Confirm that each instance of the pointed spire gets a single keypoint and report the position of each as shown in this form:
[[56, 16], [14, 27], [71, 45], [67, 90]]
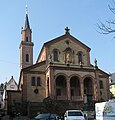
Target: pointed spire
[[26, 24]]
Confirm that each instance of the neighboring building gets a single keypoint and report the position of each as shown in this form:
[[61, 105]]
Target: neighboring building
[[62, 72], [11, 85], [13, 101], [1, 95], [112, 84]]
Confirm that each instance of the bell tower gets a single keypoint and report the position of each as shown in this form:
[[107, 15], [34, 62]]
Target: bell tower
[[26, 45]]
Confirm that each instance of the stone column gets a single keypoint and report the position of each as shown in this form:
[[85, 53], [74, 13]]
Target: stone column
[[107, 89], [97, 89], [68, 89], [82, 89], [51, 82]]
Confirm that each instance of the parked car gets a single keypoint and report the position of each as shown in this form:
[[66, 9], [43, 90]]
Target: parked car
[[47, 116], [74, 115]]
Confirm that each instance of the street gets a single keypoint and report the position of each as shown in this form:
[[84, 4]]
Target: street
[[7, 117]]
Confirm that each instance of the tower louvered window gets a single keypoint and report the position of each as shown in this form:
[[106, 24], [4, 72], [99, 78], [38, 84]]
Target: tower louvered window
[[26, 39], [27, 58]]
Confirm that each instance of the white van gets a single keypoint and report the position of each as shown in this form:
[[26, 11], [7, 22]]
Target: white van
[[74, 115]]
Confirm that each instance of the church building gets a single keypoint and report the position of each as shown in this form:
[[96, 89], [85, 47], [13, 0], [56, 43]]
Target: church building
[[62, 72]]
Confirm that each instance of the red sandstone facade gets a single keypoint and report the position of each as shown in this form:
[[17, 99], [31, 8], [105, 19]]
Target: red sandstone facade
[[62, 71]]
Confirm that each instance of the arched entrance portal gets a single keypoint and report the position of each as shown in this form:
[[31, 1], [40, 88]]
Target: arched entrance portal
[[88, 86], [75, 89], [61, 92]]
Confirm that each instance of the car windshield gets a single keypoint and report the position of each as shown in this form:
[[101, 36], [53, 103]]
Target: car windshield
[[46, 116], [43, 116], [75, 113]]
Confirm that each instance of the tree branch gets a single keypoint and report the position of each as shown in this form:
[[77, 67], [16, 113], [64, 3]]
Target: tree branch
[[105, 29], [108, 26]]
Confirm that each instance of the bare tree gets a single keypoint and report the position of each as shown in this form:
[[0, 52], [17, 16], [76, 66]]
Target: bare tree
[[109, 25]]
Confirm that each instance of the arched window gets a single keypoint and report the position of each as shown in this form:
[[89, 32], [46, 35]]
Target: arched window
[[38, 81], [27, 58], [55, 55], [101, 84], [80, 57], [33, 82], [26, 39], [58, 92]]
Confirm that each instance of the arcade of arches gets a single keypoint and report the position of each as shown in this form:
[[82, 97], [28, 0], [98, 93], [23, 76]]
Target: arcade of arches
[[73, 88]]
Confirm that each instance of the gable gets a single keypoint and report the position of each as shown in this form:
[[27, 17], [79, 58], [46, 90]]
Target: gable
[[11, 85], [64, 38], [62, 43], [36, 67], [68, 44]]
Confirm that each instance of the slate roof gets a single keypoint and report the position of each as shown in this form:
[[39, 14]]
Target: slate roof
[[26, 24], [12, 79]]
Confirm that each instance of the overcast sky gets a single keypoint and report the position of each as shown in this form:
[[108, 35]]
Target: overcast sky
[[48, 18]]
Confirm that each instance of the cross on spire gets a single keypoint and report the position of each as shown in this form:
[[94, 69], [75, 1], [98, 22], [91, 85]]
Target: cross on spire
[[67, 30], [26, 9], [26, 22]]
